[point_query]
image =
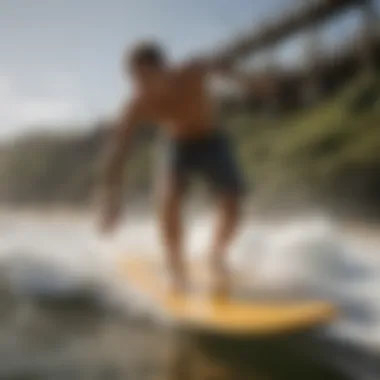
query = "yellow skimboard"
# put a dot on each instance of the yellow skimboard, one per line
(199, 310)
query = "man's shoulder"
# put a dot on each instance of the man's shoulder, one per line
(136, 103)
(194, 64)
(133, 109)
(191, 69)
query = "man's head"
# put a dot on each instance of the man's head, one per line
(146, 62)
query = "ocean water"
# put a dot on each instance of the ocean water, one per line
(310, 256)
(62, 261)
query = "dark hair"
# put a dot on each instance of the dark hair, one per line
(146, 53)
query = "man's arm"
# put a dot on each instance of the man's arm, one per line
(117, 150)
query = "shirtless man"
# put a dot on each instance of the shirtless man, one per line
(175, 98)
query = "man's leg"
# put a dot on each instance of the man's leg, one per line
(170, 198)
(227, 223)
(223, 173)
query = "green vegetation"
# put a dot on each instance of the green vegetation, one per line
(332, 150)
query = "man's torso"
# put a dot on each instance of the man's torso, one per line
(182, 107)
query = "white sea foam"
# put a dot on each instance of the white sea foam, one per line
(309, 253)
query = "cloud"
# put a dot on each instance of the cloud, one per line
(59, 103)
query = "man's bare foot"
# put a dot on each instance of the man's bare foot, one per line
(179, 284)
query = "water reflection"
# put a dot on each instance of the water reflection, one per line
(41, 339)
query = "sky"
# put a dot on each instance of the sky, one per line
(60, 59)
